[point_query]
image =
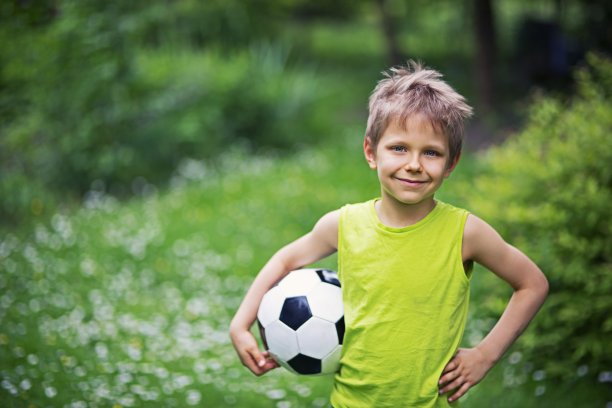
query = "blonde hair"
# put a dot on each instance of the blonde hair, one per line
(414, 90)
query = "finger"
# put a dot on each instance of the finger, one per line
(270, 359)
(450, 366)
(251, 358)
(453, 385)
(460, 393)
(260, 362)
(449, 377)
(258, 357)
(270, 365)
(261, 370)
(251, 364)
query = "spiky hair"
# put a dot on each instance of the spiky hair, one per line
(414, 90)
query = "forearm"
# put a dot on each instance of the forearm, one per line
(521, 309)
(317, 244)
(482, 244)
(271, 273)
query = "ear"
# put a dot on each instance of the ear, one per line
(452, 166)
(370, 153)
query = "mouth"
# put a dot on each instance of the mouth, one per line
(411, 182)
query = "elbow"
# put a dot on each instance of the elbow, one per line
(537, 286)
(543, 287)
(284, 262)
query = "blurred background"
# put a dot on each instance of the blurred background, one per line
(154, 154)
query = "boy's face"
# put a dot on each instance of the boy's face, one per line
(412, 162)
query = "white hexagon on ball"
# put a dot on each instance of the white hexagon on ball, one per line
(270, 306)
(317, 337)
(299, 282)
(325, 301)
(282, 341)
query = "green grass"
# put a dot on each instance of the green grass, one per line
(128, 303)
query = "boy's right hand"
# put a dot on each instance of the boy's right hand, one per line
(254, 359)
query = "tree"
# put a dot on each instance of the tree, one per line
(485, 53)
(389, 30)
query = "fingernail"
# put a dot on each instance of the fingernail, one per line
(450, 400)
(262, 363)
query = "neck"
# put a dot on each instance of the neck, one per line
(396, 214)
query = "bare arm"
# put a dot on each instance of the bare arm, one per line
(483, 244)
(319, 243)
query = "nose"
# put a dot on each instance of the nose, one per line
(413, 164)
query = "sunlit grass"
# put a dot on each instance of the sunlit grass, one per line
(129, 303)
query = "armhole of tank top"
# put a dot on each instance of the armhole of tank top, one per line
(341, 241)
(467, 274)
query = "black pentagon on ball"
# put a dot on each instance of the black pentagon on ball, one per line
(340, 329)
(328, 276)
(305, 365)
(295, 312)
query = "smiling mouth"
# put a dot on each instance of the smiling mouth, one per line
(411, 182)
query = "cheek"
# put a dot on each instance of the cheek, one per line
(385, 168)
(391, 162)
(438, 170)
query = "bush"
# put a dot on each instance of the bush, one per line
(548, 191)
(84, 100)
(204, 102)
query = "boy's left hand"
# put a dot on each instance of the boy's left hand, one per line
(463, 371)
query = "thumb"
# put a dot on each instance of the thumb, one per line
(270, 358)
(257, 356)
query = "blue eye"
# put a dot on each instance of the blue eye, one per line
(431, 153)
(398, 148)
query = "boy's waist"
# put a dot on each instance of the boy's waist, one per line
(396, 362)
(401, 384)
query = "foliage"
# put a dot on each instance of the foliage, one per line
(208, 101)
(228, 23)
(549, 192)
(85, 101)
(69, 82)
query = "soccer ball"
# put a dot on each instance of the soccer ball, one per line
(301, 321)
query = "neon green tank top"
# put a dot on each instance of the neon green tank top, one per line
(405, 295)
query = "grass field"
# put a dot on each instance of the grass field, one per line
(127, 304)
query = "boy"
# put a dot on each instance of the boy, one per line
(405, 262)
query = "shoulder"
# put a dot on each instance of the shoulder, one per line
(452, 218)
(358, 206)
(328, 226)
(451, 209)
(481, 240)
(326, 229)
(484, 245)
(357, 209)
(329, 220)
